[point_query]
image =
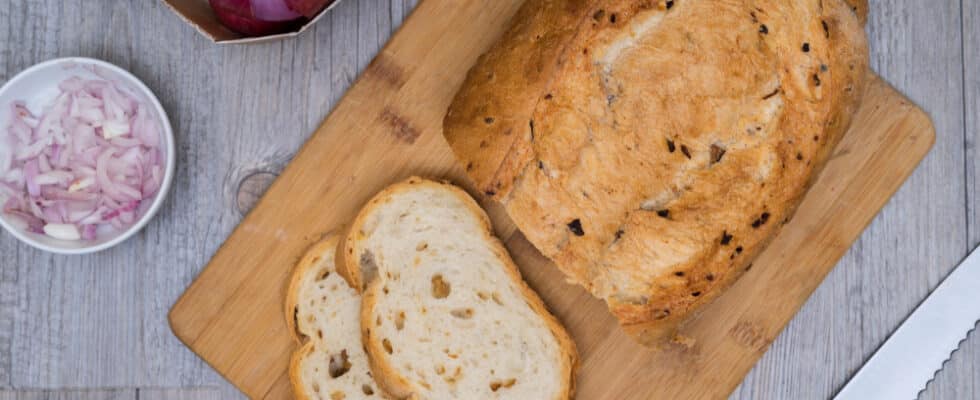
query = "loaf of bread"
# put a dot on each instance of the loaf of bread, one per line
(324, 317)
(652, 149)
(445, 313)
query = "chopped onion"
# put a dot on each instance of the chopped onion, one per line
(63, 231)
(88, 160)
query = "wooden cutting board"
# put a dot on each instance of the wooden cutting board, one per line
(388, 127)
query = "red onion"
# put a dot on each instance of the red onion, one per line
(256, 17)
(273, 10)
(309, 8)
(87, 162)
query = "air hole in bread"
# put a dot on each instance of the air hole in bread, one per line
(369, 267)
(400, 320)
(337, 395)
(319, 333)
(440, 369)
(323, 275)
(387, 345)
(695, 294)
(454, 377)
(483, 296)
(377, 322)
(385, 289)
(497, 385)
(717, 152)
(422, 246)
(316, 387)
(339, 364)
(661, 314)
(367, 389)
(496, 298)
(462, 313)
(440, 288)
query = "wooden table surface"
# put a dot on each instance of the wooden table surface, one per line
(94, 327)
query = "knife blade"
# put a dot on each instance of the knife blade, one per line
(910, 358)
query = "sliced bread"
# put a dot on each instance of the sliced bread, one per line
(323, 315)
(445, 313)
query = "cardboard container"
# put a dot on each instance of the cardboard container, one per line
(198, 14)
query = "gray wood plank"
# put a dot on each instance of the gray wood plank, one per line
(915, 241)
(961, 375)
(226, 392)
(99, 321)
(971, 133)
(111, 394)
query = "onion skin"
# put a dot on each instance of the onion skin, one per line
(308, 8)
(237, 15)
(273, 10)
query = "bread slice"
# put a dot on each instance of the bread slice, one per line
(446, 314)
(324, 315)
(652, 149)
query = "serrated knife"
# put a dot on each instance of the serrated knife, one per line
(910, 358)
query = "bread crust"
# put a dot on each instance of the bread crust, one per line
(385, 374)
(294, 370)
(309, 260)
(860, 7)
(664, 148)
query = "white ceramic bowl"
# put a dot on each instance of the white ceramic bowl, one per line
(37, 87)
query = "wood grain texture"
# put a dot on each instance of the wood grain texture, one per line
(109, 394)
(916, 45)
(225, 393)
(961, 376)
(232, 315)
